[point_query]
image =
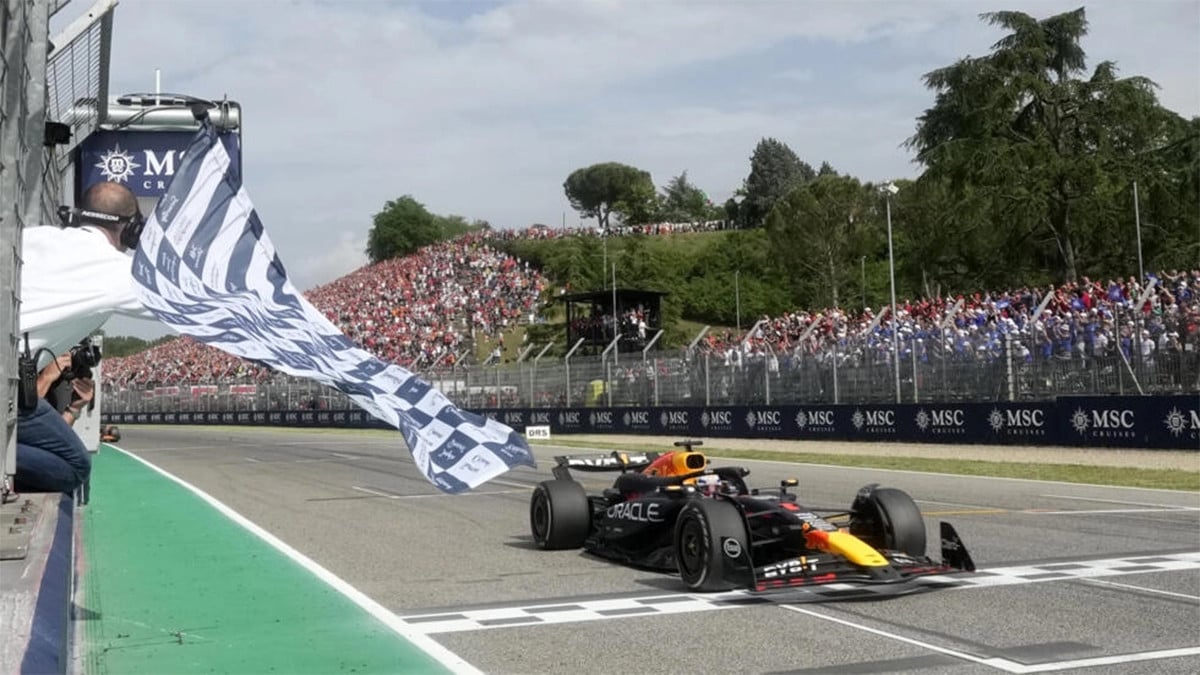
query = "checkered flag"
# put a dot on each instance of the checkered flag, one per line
(205, 266)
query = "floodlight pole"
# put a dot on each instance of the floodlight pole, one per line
(737, 297)
(892, 274)
(604, 259)
(1137, 220)
(616, 323)
(863, 263)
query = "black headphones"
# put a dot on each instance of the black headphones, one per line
(129, 236)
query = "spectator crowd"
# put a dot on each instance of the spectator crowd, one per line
(417, 311)
(652, 229)
(1079, 320)
(421, 311)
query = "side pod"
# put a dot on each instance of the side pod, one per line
(954, 553)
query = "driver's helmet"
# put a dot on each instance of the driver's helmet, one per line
(708, 484)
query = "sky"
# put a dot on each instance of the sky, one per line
(482, 109)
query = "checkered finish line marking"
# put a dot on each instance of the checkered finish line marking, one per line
(680, 603)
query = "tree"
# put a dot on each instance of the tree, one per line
(452, 226)
(733, 211)
(598, 190)
(774, 172)
(1169, 199)
(640, 205)
(402, 227)
(684, 202)
(128, 345)
(817, 234)
(1047, 152)
(731, 269)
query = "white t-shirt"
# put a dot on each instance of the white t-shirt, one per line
(72, 281)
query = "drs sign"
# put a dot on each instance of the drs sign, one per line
(143, 161)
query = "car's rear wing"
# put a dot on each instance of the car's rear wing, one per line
(615, 461)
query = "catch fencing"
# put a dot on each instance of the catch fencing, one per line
(1008, 395)
(1009, 372)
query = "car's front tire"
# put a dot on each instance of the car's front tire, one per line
(560, 515)
(710, 537)
(888, 518)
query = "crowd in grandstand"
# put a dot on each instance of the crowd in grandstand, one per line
(419, 311)
(616, 230)
(415, 311)
(1078, 321)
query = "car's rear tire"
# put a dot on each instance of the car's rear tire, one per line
(710, 536)
(888, 518)
(560, 515)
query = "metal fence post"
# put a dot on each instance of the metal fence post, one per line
(707, 389)
(567, 363)
(767, 374)
(836, 393)
(614, 347)
(608, 385)
(916, 394)
(1012, 385)
(654, 375)
(533, 372)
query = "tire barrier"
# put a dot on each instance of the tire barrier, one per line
(1152, 422)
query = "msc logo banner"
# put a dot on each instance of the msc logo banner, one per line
(143, 161)
(1166, 422)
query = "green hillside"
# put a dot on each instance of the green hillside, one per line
(704, 274)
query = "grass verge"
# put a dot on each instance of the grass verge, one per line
(1162, 479)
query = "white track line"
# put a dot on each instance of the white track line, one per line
(1003, 664)
(419, 640)
(1143, 589)
(500, 481)
(899, 638)
(1102, 660)
(1155, 508)
(1118, 501)
(1036, 512)
(380, 493)
(454, 620)
(1092, 512)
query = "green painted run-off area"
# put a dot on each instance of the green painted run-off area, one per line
(168, 584)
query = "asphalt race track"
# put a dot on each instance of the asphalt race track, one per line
(1072, 578)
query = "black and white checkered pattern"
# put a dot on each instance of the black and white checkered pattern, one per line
(205, 266)
(654, 605)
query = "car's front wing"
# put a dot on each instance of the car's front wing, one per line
(825, 568)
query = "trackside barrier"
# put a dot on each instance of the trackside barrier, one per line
(1153, 422)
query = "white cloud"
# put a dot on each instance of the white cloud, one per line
(349, 104)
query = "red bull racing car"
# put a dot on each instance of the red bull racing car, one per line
(674, 512)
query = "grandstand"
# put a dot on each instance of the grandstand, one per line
(1024, 344)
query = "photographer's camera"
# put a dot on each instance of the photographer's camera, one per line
(84, 357)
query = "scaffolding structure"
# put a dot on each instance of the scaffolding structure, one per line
(42, 83)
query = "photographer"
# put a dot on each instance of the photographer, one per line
(50, 457)
(73, 279)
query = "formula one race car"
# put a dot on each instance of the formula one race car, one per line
(109, 433)
(672, 512)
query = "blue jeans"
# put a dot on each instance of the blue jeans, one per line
(50, 456)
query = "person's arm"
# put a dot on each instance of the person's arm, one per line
(50, 374)
(103, 279)
(85, 390)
